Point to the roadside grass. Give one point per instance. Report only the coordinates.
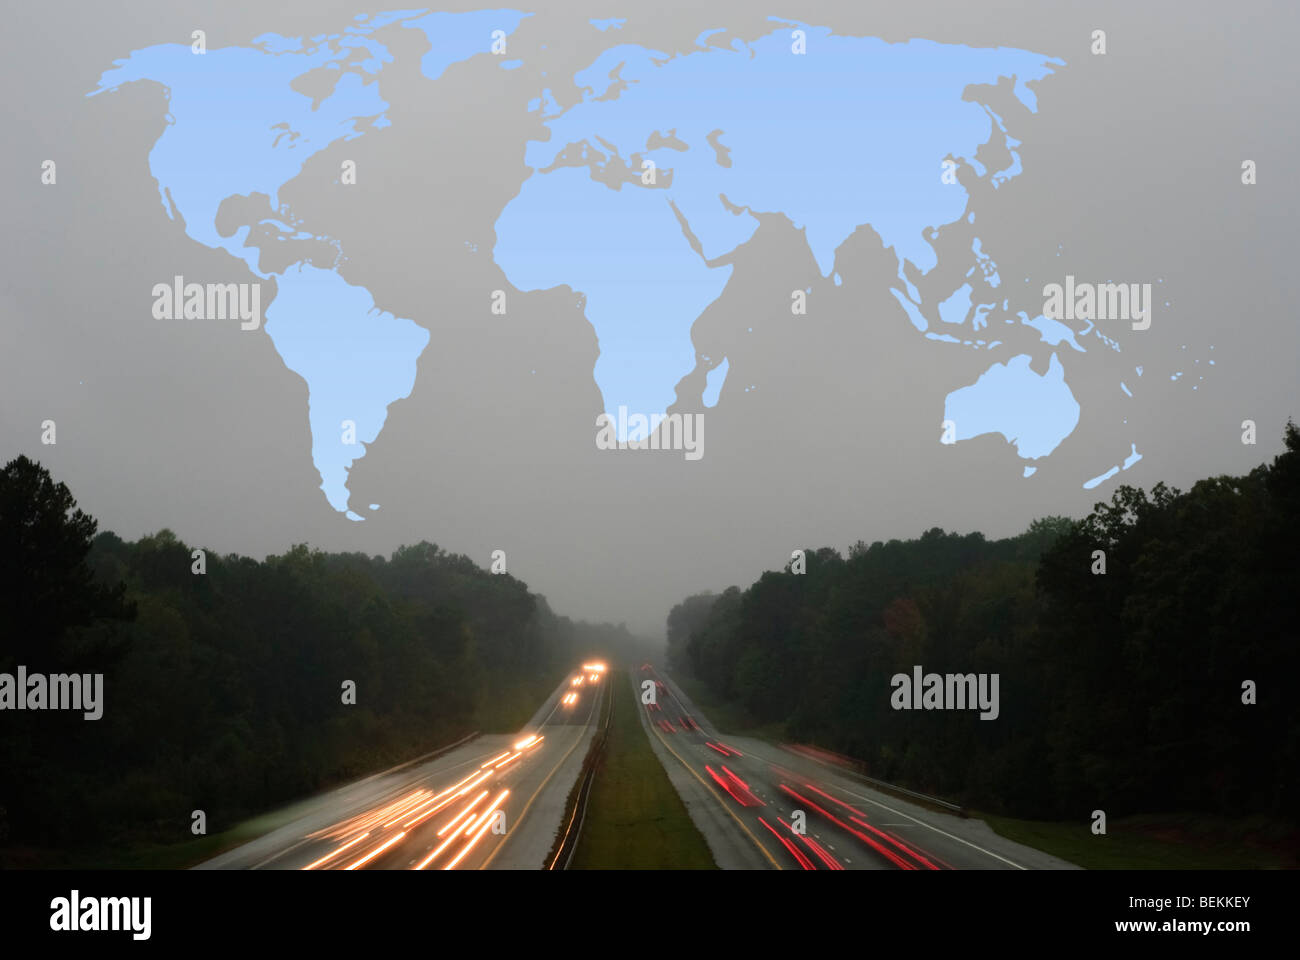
(1160, 842)
(505, 709)
(148, 854)
(635, 819)
(728, 717)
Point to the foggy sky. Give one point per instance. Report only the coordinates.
(1131, 171)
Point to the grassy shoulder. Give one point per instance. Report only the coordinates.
(1159, 842)
(635, 819)
(148, 854)
(727, 717)
(505, 709)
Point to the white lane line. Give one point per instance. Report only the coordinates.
(582, 733)
(973, 846)
(277, 856)
(900, 813)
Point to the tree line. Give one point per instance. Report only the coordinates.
(1165, 683)
(224, 690)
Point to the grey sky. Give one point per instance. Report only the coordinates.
(1132, 165)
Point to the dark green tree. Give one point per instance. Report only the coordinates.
(46, 585)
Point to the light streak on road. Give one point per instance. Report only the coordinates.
(376, 852)
(485, 822)
(331, 856)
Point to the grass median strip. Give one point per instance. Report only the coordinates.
(635, 819)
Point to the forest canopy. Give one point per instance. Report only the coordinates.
(1129, 689)
(223, 689)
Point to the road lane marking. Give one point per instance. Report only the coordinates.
(354, 788)
(883, 806)
(277, 856)
(730, 812)
(930, 826)
(681, 708)
(973, 846)
(367, 805)
(523, 813)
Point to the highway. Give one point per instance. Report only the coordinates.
(743, 795)
(495, 802)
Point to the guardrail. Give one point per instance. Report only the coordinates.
(894, 788)
(847, 769)
(880, 784)
(426, 756)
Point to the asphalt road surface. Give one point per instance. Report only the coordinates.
(763, 806)
(496, 801)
